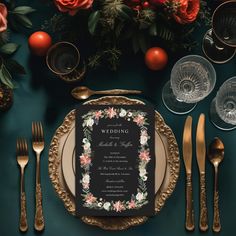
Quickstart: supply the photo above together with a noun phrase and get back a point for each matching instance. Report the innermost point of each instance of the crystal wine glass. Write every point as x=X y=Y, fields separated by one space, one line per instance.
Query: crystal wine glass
x=192 y=79
x=219 y=43
x=223 y=107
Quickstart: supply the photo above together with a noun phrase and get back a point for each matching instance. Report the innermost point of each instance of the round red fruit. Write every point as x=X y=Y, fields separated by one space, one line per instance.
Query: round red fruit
x=146 y=4
x=156 y=58
x=39 y=43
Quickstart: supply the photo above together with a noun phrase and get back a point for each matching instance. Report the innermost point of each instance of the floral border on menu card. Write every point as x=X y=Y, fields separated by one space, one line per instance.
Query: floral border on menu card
x=92 y=118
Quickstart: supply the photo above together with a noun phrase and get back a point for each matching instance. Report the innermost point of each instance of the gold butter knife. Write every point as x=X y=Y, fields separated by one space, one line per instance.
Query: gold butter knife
x=201 y=158
x=187 y=156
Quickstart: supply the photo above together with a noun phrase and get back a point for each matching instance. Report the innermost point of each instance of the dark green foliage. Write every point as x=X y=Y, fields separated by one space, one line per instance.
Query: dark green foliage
x=17 y=17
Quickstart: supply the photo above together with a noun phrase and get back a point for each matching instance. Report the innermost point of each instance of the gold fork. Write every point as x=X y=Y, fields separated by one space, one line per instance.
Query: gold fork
x=22 y=160
x=38 y=146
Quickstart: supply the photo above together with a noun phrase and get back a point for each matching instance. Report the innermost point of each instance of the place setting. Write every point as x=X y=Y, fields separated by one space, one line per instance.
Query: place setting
x=115 y=155
x=126 y=206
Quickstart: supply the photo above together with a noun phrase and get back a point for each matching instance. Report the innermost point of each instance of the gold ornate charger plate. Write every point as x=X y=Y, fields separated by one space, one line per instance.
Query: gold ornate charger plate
x=114 y=223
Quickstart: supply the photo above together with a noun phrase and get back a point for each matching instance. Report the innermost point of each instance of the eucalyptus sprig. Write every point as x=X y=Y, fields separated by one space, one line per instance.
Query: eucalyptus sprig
x=9 y=66
x=17 y=17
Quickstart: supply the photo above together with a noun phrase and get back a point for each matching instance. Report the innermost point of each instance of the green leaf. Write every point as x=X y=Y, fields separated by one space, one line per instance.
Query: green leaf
x=24 y=20
x=23 y=10
x=123 y=14
x=5 y=77
x=153 y=30
x=135 y=44
x=142 y=42
x=118 y=29
x=127 y=10
x=15 y=67
x=165 y=33
x=9 y=48
x=12 y=4
x=93 y=21
x=13 y=23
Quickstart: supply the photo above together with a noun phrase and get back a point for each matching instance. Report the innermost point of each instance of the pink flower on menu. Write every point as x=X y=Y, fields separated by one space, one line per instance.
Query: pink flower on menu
x=111 y=112
x=132 y=204
x=144 y=156
x=84 y=160
x=98 y=114
x=139 y=120
x=85 y=185
x=90 y=198
x=118 y=206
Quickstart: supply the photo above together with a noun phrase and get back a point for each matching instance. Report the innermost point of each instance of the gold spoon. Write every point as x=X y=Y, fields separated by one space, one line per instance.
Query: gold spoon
x=216 y=155
x=82 y=92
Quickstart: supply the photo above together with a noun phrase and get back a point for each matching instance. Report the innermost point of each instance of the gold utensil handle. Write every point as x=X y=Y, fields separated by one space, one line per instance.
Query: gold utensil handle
x=23 y=216
x=118 y=92
x=189 y=224
x=39 y=219
x=203 y=223
x=216 y=218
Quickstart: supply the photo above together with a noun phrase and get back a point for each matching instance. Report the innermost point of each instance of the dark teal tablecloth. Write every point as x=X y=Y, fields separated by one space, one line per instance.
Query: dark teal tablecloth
x=40 y=96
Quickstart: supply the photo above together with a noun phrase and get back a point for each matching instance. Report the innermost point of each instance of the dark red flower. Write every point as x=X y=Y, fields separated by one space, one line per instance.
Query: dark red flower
x=187 y=11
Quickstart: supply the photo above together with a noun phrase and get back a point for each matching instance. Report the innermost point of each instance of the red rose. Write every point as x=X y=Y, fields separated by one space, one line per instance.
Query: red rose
x=3 y=17
x=187 y=11
x=72 y=6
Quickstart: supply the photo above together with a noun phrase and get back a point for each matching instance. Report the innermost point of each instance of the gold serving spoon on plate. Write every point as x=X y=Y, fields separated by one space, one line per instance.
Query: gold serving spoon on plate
x=82 y=92
x=216 y=155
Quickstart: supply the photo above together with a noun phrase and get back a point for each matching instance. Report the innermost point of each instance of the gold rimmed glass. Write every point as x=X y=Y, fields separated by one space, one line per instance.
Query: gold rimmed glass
x=64 y=60
x=219 y=43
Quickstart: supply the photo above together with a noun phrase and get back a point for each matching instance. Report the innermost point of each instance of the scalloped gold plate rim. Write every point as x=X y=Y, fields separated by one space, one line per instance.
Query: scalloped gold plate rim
x=113 y=223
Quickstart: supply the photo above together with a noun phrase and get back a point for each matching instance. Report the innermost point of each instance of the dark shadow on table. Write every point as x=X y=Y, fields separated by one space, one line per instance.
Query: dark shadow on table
x=57 y=91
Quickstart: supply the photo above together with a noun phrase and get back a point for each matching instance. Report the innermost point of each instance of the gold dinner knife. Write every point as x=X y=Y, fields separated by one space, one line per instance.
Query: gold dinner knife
x=201 y=158
x=187 y=156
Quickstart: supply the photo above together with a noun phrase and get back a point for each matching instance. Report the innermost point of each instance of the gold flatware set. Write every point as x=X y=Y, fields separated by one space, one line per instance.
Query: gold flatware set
x=215 y=154
x=22 y=160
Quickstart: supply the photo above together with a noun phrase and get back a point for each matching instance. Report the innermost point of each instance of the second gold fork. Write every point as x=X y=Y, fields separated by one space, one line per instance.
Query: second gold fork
x=38 y=147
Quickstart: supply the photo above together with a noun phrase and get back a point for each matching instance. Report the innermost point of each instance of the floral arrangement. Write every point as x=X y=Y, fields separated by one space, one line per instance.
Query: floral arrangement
x=11 y=17
x=89 y=120
x=184 y=11
x=116 y=24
